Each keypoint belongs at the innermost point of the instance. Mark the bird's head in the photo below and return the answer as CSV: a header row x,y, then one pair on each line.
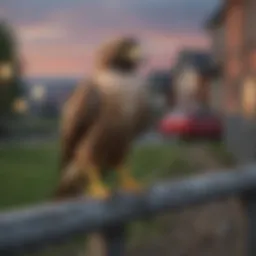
x,y
123,54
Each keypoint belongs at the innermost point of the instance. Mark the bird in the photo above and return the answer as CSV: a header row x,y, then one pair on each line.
x,y
100,121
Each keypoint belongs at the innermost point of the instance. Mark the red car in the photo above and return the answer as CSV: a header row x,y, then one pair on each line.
x,y
198,124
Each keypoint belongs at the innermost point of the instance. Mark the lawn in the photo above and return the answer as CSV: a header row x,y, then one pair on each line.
x,y
28,175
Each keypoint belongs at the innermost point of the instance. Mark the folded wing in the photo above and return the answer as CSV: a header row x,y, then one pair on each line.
x,y
79,114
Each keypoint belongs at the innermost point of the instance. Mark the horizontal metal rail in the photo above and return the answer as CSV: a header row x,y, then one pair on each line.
x,y
49,223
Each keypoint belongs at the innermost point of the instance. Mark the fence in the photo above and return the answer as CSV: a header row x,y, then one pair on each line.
x,y
39,226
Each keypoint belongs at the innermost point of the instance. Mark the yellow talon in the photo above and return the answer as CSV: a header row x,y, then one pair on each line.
x,y
95,187
131,185
98,190
127,181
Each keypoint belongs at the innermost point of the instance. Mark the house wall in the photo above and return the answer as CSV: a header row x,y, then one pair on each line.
x,y
191,89
240,62
249,25
218,51
185,85
232,70
250,39
234,43
203,91
234,54
217,44
216,94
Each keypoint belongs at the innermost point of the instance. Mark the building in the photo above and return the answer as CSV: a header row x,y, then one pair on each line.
x,y
160,85
234,49
216,30
191,78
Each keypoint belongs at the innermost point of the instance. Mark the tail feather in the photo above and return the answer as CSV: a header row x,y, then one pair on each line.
x,y
72,183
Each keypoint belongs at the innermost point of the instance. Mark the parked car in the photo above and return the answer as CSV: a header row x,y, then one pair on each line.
x,y
191,124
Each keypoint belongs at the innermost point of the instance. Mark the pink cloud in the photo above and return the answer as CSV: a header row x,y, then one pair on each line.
x,y
65,43
77,59
46,32
40,66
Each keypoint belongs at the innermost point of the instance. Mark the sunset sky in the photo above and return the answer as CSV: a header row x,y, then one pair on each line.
x,y
59,37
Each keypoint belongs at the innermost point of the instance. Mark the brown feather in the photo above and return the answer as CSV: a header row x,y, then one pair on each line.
x,y
143,117
79,114
101,119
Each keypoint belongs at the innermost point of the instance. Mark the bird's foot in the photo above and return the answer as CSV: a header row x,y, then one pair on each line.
x,y
131,184
98,191
127,181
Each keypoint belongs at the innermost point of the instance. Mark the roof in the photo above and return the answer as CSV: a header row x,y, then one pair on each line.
x,y
217,18
199,60
160,80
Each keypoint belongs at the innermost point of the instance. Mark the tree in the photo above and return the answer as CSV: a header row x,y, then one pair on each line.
x,y
10,70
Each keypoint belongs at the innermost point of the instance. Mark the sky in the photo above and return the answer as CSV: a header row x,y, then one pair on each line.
x,y
61,37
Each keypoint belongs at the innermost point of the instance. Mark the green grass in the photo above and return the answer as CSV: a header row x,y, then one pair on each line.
x,y
28,176
220,152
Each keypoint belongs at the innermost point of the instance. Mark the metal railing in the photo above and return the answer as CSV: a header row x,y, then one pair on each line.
x,y
46,224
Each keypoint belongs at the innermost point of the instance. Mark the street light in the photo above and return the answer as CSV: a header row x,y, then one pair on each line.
x,y
6,71
38,92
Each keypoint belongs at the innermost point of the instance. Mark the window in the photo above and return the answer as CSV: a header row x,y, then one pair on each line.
x,y
249,97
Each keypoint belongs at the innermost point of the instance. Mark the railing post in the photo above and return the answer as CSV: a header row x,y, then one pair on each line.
x,y
115,241
249,203
110,242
